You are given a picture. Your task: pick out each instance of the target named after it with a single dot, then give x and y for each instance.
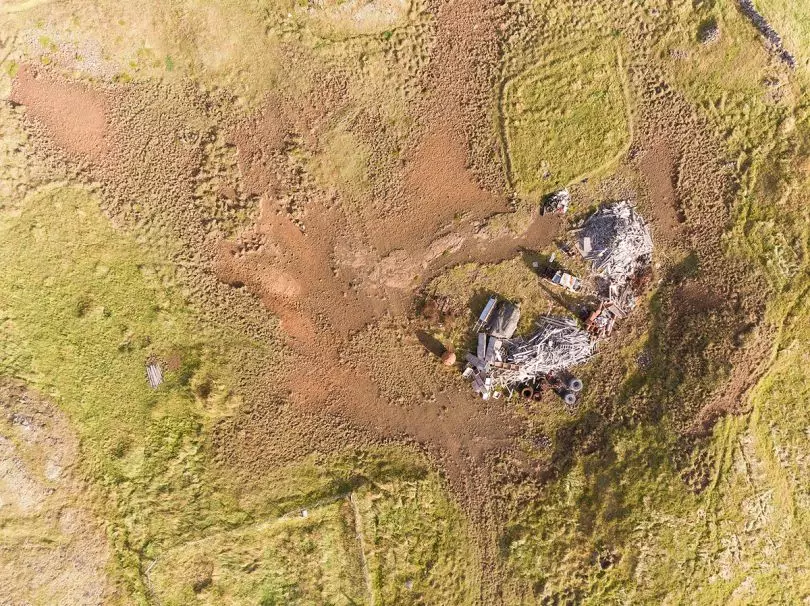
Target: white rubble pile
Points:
(503, 364)
(617, 242)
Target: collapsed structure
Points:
(503, 364)
(557, 202)
(616, 241)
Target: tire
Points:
(570, 399)
(575, 385)
(527, 392)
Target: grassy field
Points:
(792, 21)
(282, 561)
(624, 526)
(83, 310)
(565, 118)
(399, 542)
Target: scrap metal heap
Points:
(617, 242)
(557, 202)
(558, 344)
(505, 364)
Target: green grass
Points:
(622, 526)
(83, 308)
(415, 549)
(565, 118)
(792, 21)
(419, 550)
(741, 540)
(342, 164)
(726, 80)
(413, 533)
(295, 560)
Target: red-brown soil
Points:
(657, 166)
(74, 115)
(324, 300)
(438, 188)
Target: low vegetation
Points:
(565, 118)
(629, 523)
(628, 510)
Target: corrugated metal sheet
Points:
(154, 375)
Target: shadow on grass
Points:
(430, 343)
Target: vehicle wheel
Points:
(570, 398)
(575, 385)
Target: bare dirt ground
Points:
(295, 266)
(74, 115)
(659, 169)
(54, 550)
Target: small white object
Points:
(304, 513)
(154, 375)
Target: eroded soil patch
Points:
(74, 115)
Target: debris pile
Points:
(498, 319)
(504, 364)
(567, 281)
(601, 321)
(154, 374)
(709, 33)
(557, 345)
(617, 242)
(557, 202)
